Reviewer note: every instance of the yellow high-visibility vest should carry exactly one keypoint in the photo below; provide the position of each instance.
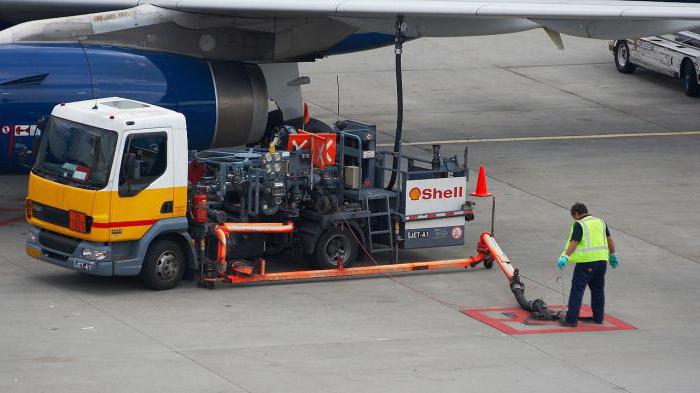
(593, 245)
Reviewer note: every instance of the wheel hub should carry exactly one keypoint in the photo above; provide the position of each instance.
(167, 266)
(336, 247)
(622, 56)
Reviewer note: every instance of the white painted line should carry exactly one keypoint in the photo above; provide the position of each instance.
(544, 138)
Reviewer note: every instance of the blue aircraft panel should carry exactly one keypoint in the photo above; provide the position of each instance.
(180, 83)
(34, 78)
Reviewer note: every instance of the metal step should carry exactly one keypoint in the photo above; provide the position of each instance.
(386, 214)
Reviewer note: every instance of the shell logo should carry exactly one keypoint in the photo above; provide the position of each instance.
(417, 193)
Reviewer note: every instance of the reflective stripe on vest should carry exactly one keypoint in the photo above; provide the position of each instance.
(594, 243)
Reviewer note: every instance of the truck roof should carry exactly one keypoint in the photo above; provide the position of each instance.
(119, 114)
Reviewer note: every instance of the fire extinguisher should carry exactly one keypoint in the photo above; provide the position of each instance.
(199, 208)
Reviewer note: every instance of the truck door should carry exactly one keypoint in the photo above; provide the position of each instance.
(144, 192)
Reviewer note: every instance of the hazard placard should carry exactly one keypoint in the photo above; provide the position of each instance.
(323, 146)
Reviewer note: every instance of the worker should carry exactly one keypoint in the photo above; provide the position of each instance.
(590, 248)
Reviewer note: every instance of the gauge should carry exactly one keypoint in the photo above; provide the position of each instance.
(278, 167)
(268, 156)
(278, 156)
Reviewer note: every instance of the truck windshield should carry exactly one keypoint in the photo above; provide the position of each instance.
(76, 154)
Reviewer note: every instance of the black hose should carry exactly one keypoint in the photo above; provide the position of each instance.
(537, 307)
(398, 48)
(519, 293)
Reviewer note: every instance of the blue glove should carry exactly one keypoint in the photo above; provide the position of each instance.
(562, 261)
(613, 261)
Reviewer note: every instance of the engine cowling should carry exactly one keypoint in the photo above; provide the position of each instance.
(225, 103)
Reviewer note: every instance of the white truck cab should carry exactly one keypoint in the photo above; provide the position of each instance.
(110, 175)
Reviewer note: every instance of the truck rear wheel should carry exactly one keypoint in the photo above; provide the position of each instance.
(622, 58)
(689, 77)
(336, 243)
(164, 265)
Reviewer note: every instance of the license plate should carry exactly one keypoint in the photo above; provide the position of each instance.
(33, 252)
(84, 265)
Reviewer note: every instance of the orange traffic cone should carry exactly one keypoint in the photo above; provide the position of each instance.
(482, 190)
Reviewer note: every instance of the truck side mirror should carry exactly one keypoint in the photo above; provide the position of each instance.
(23, 153)
(41, 123)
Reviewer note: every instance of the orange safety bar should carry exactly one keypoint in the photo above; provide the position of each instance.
(487, 247)
(353, 271)
(222, 232)
(492, 247)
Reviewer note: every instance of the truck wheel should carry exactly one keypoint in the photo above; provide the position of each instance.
(336, 243)
(622, 58)
(163, 266)
(689, 77)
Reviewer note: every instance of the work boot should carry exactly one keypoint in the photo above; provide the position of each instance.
(568, 324)
(590, 320)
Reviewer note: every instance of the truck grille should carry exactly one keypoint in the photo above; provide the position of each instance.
(56, 216)
(58, 242)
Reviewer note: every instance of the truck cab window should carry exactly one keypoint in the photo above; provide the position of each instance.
(144, 160)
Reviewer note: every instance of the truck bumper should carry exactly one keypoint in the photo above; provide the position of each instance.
(68, 253)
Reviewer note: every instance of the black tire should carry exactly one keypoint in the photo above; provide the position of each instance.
(689, 78)
(335, 242)
(488, 263)
(164, 265)
(622, 58)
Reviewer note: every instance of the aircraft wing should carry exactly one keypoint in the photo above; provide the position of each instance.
(297, 29)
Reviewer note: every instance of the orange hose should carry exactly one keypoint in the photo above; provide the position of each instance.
(222, 232)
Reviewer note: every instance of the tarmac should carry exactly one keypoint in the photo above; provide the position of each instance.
(62, 331)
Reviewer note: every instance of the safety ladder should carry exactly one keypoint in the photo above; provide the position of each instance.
(382, 228)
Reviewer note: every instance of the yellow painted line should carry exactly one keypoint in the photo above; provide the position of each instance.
(545, 138)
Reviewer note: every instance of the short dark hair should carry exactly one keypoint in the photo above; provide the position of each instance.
(579, 208)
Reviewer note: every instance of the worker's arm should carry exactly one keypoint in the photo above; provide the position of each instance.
(576, 235)
(611, 248)
(571, 248)
(611, 245)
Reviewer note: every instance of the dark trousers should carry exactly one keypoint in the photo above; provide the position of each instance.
(593, 275)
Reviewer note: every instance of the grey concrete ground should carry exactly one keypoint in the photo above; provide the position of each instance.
(65, 332)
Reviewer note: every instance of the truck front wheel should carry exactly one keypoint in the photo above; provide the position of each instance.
(334, 244)
(164, 265)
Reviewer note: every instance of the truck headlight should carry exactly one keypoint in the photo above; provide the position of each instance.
(97, 255)
(33, 237)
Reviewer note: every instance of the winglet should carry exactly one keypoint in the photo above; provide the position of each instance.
(555, 37)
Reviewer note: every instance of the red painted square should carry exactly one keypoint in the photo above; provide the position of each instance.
(515, 321)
